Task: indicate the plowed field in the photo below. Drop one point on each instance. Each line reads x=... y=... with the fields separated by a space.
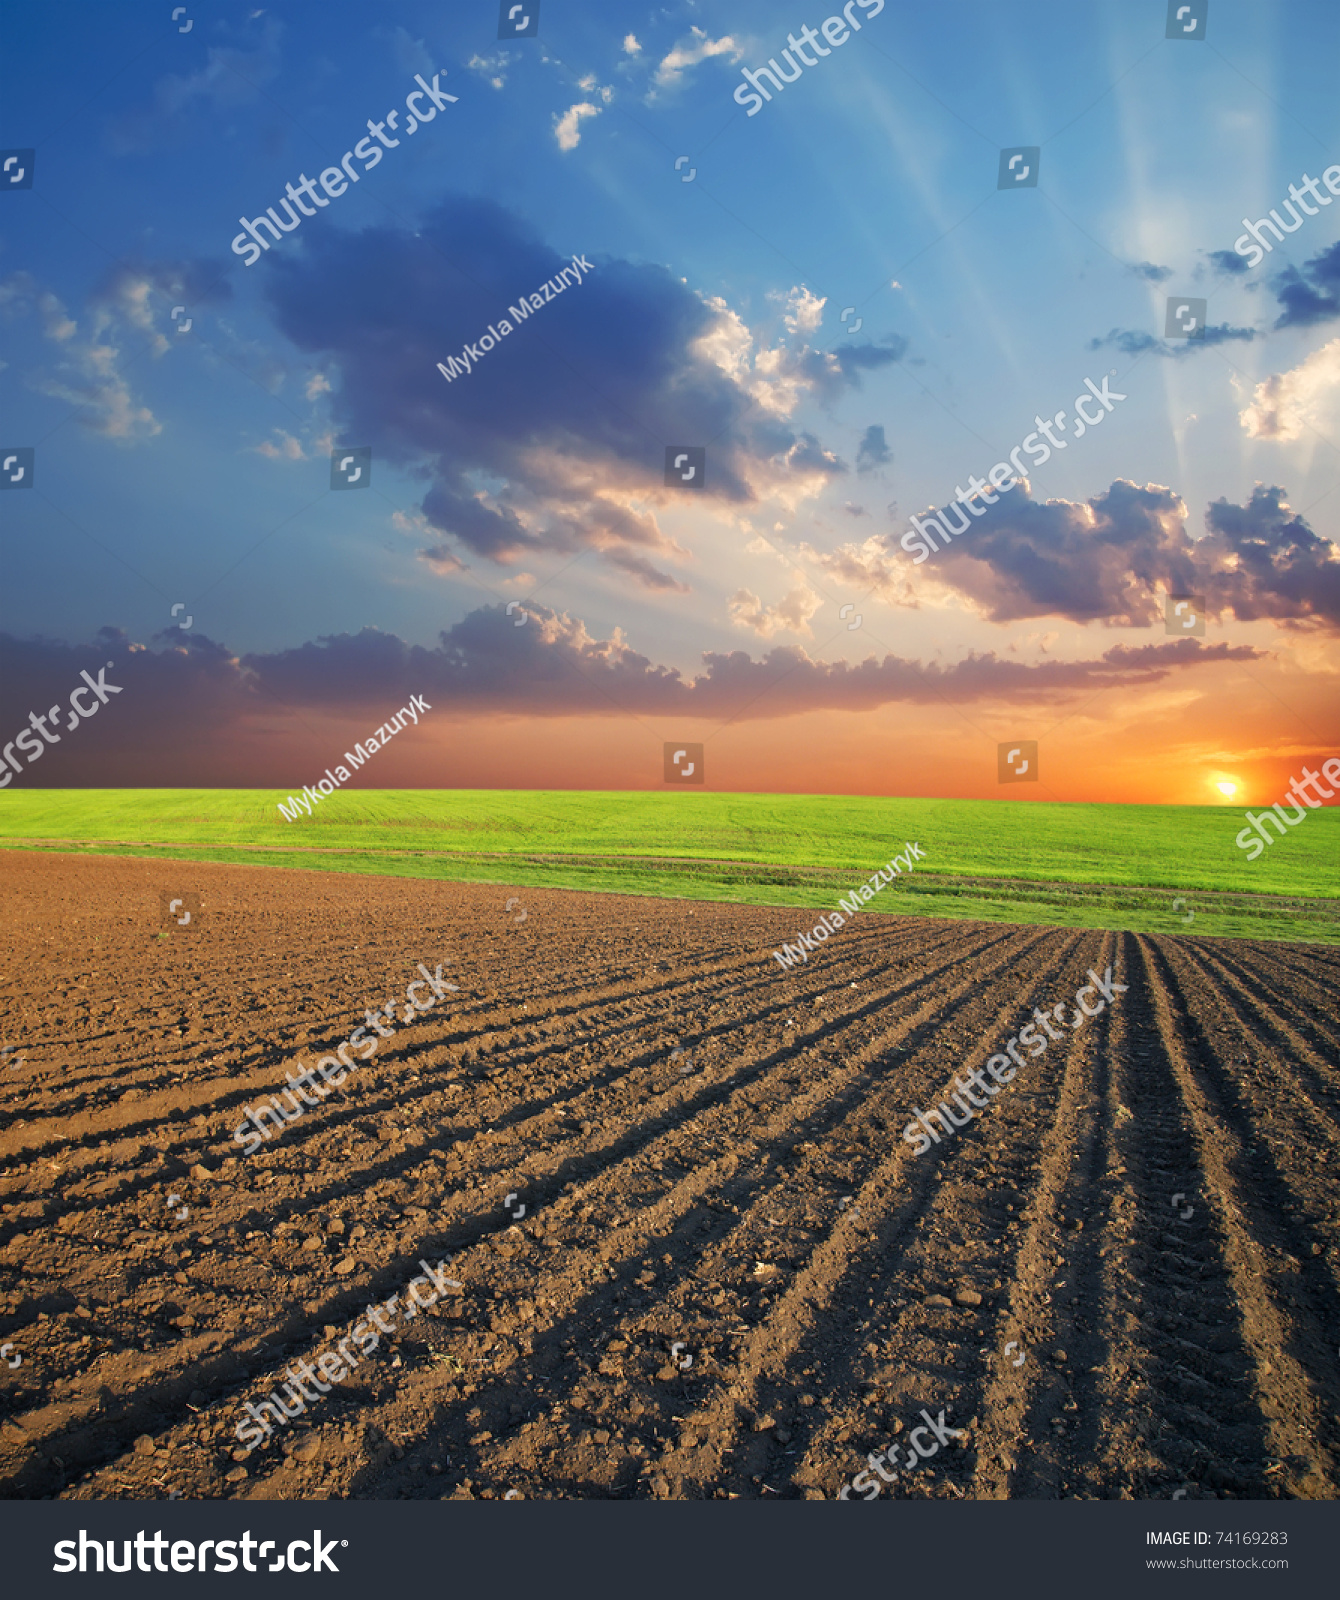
x=732 y=1277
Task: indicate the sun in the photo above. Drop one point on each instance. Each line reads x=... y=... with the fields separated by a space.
x=1228 y=790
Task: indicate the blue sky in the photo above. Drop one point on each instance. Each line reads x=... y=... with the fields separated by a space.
x=194 y=467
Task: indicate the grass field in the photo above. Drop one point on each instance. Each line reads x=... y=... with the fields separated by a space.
x=1090 y=866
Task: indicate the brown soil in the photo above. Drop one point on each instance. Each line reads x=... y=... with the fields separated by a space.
x=749 y=1200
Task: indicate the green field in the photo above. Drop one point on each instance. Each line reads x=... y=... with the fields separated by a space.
x=1089 y=866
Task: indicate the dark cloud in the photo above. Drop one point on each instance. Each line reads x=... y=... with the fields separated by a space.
x=1261 y=560
x=554 y=667
x=649 y=576
x=857 y=358
x=1094 y=560
x=550 y=440
x=1129 y=343
x=1150 y=273
x=873 y=450
x=1110 y=558
x=192 y=714
x=786 y=681
x=169 y=724
x=1310 y=293
x=1230 y=262
x=1134 y=342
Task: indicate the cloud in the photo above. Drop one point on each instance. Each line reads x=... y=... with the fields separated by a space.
x=649 y=576
x=804 y=311
x=86 y=374
x=1310 y=293
x=1284 y=405
x=1097 y=559
x=1263 y=561
x=190 y=697
x=1229 y=262
x=590 y=84
x=791 y=614
x=287 y=449
x=872 y=451
x=1149 y=272
x=555 y=667
x=190 y=712
x=855 y=358
x=493 y=68
x=411 y=55
x=20 y=293
x=1110 y=558
x=233 y=76
x=630 y=46
x=440 y=557
x=875 y=566
x=556 y=441
x=567 y=128
x=128 y=291
x=782 y=376
x=688 y=53
x=1134 y=342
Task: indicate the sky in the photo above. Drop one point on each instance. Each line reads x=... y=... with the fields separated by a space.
x=836 y=308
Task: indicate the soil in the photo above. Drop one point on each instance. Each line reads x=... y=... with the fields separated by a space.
x=733 y=1277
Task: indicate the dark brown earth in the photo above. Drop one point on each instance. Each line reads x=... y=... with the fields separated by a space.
x=1149 y=1213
